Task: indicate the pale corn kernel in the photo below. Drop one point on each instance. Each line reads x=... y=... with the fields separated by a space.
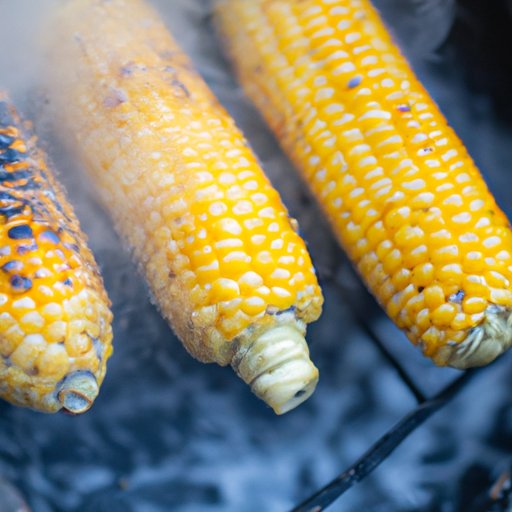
x=53 y=362
x=55 y=332
x=77 y=345
x=28 y=351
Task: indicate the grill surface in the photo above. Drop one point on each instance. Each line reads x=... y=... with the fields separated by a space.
x=168 y=433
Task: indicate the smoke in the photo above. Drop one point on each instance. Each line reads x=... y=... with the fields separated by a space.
x=21 y=22
x=168 y=433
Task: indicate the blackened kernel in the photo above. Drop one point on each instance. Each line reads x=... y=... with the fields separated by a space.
x=11 y=211
x=180 y=88
x=73 y=247
x=403 y=108
x=12 y=176
x=21 y=232
x=30 y=184
x=68 y=282
x=49 y=236
x=354 y=82
x=24 y=249
x=20 y=283
x=5 y=196
x=13 y=265
x=5 y=140
x=457 y=298
x=10 y=156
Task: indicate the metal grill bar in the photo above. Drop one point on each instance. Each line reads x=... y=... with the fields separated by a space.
x=382 y=448
x=404 y=376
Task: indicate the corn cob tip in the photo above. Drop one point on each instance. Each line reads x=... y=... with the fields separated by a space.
x=78 y=392
x=278 y=369
x=483 y=344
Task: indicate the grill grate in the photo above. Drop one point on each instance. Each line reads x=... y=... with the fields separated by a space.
x=499 y=498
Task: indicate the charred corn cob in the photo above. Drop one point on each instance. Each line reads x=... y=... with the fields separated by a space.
x=403 y=196
x=55 y=322
x=221 y=255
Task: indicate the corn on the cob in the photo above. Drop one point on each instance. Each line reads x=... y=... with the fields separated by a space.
x=218 y=249
x=55 y=332
x=403 y=197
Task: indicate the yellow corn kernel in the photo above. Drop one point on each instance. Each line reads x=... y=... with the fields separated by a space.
x=367 y=138
x=187 y=194
x=49 y=282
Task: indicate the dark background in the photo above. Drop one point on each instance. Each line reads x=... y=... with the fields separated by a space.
x=170 y=434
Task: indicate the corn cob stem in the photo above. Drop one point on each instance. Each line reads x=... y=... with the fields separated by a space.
x=55 y=332
x=403 y=196
x=277 y=367
x=223 y=261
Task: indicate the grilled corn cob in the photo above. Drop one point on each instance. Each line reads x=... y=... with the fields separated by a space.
x=402 y=195
x=55 y=332
x=221 y=255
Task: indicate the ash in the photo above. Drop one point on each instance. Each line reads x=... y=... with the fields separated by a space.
x=170 y=434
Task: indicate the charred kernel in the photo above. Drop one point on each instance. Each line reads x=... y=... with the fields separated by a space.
x=5 y=140
x=21 y=232
x=10 y=156
x=30 y=202
x=457 y=298
x=13 y=265
x=354 y=82
x=48 y=236
x=24 y=249
x=73 y=247
x=20 y=283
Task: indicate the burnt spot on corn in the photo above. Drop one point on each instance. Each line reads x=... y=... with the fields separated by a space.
x=10 y=155
x=13 y=176
x=72 y=247
x=115 y=98
x=354 y=82
x=180 y=88
x=12 y=210
x=25 y=249
x=12 y=266
x=22 y=232
x=48 y=277
x=20 y=284
x=457 y=298
x=403 y=108
x=49 y=236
